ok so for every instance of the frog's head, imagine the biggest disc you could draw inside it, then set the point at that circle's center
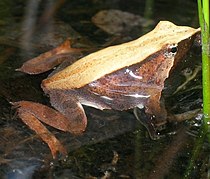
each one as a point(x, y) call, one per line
point(177, 47)
point(172, 42)
point(168, 44)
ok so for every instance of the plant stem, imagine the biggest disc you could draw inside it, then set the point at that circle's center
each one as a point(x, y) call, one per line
point(203, 10)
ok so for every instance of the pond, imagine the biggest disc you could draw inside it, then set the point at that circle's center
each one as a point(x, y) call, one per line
point(115, 144)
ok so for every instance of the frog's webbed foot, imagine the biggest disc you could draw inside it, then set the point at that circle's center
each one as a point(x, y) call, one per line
point(148, 121)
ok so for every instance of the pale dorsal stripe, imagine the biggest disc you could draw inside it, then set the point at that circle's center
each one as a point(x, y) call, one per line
point(105, 61)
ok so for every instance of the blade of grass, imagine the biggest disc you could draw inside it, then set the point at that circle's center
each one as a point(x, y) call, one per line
point(206, 12)
point(203, 10)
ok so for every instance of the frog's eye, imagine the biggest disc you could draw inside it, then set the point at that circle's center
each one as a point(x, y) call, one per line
point(171, 50)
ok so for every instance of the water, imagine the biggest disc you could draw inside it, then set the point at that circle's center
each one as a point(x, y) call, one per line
point(115, 144)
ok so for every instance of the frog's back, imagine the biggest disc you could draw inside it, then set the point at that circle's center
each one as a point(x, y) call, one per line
point(110, 59)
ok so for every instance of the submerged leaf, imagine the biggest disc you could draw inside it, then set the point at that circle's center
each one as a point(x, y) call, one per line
point(50, 59)
point(116, 22)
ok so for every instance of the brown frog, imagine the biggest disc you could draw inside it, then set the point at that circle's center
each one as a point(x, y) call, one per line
point(121, 77)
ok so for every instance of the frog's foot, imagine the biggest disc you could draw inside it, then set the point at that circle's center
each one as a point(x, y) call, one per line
point(32, 113)
point(148, 122)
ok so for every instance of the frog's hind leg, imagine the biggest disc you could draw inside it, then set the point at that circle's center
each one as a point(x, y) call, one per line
point(70, 107)
point(32, 113)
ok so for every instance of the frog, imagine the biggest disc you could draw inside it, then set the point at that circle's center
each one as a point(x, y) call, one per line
point(119, 77)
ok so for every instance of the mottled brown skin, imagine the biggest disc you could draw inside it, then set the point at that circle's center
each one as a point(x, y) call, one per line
point(121, 77)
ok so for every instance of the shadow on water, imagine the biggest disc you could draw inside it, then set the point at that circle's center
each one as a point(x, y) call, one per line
point(115, 144)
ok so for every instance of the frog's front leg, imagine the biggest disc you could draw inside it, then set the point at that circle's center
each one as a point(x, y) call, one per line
point(153, 115)
point(32, 113)
point(146, 121)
